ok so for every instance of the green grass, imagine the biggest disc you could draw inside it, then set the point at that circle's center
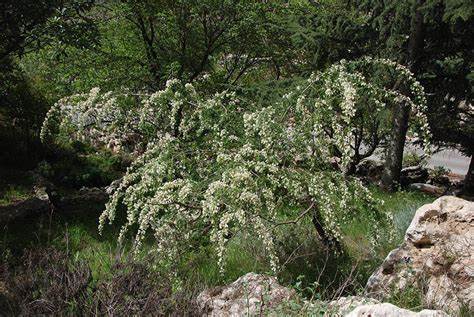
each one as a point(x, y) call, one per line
point(402, 205)
point(15, 185)
point(410, 298)
point(244, 255)
point(14, 193)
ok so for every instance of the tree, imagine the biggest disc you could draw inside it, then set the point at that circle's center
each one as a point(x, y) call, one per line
point(430, 37)
point(216, 165)
point(324, 32)
point(29, 25)
point(26, 27)
point(142, 44)
point(448, 76)
point(185, 39)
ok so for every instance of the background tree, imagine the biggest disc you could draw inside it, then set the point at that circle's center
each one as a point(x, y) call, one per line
point(26, 27)
point(431, 37)
point(142, 44)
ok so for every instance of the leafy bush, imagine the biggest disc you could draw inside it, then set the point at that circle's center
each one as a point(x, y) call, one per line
point(438, 175)
point(14, 193)
point(73, 168)
point(22, 110)
point(413, 159)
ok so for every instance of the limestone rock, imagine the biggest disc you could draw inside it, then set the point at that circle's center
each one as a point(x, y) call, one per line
point(22, 209)
point(86, 199)
point(41, 193)
point(344, 305)
point(371, 170)
point(437, 256)
point(389, 310)
point(249, 295)
point(257, 295)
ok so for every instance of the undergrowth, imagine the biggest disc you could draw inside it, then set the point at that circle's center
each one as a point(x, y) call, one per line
point(319, 274)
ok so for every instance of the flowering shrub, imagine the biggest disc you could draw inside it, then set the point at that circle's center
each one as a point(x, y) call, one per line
point(370, 88)
point(214, 166)
point(101, 119)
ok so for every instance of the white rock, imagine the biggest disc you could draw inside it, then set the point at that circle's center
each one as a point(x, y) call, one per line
point(438, 253)
point(389, 310)
point(344, 305)
point(249, 295)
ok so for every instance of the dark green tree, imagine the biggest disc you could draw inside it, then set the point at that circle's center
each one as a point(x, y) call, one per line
point(26, 26)
point(433, 38)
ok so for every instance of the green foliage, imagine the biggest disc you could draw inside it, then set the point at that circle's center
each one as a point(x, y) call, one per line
point(438, 174)
point(13, 194)
point(413, 159)
point(144, 43)
point(22, 109)
point(26, 24)
point(77, 234)
point(15, 185)
point(325, 32)
point(87, 169)
point(410, 298)
point(442, 60)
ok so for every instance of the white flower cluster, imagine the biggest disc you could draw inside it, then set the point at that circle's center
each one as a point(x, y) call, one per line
point(100, 119)
point(415, 99)
point(215, 166)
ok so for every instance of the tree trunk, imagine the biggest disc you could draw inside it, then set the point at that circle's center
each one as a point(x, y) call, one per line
point(468, 187)
point(401, 112)
point(326, 239)
point(394, 159)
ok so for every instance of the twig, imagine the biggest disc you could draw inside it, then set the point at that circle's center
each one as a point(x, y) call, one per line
point(297, 219)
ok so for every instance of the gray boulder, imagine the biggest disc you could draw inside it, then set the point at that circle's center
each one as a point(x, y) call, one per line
point(437, 256)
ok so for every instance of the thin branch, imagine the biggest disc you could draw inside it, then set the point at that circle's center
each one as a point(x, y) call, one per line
point(297, 219)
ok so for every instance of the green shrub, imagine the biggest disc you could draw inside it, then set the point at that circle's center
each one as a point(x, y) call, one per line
point(438, 175)
point(409, 298)
point(82, 167)
point(413, 159)
point(14, 193)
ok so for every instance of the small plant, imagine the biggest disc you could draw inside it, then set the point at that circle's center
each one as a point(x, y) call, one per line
point(438, 175)
point(465, 311)
point(410, 298)
point(413, 159)
point(45, 169)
